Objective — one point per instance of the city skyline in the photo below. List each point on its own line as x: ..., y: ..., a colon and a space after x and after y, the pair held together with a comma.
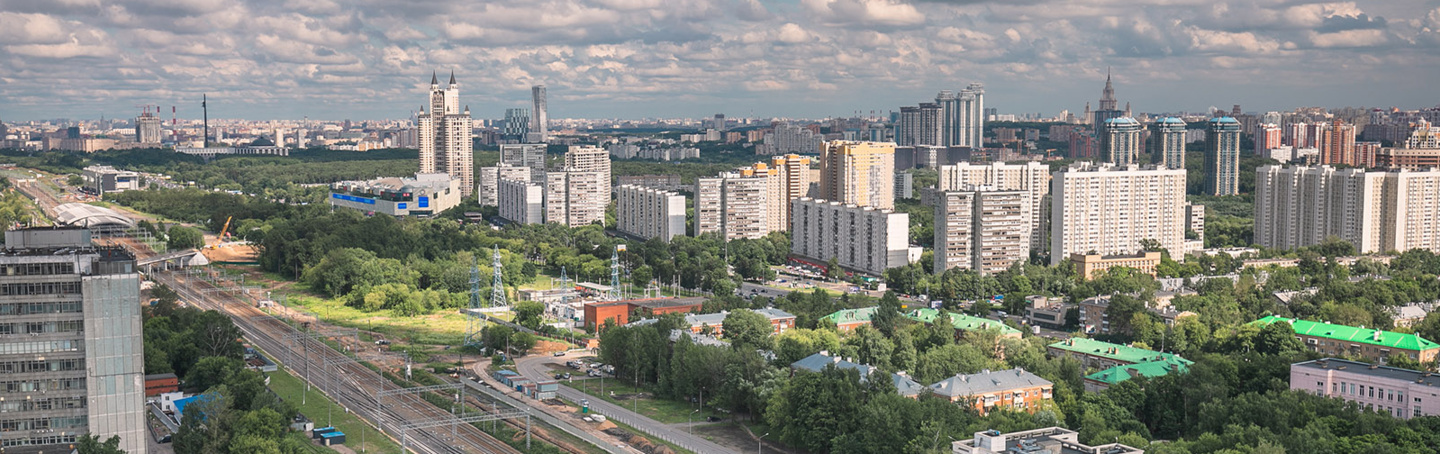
x: 638, y: 59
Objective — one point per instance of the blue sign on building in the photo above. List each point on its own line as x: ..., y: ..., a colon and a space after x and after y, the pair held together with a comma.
x: 401, y: 205
x: 424, y: 202
x: 351, y: 198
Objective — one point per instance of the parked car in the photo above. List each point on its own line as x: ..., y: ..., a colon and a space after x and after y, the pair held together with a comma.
x: 593, y: 373
x: 560, y: 353
x: 382, y: 342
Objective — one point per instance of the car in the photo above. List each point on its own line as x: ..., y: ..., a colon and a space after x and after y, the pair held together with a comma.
x: 382, y: 342
x: 565, y: 376
x: 560, y: 353
x: 592, y: 373
x: 595, y: 365
x: 559, y: 376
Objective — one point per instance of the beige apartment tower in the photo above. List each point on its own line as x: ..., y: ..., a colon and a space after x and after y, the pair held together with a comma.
x: 752, y: 201
x: 981, y: 229
x: 1109, y: 210
x: 858, y: 173
x: 444, y: 136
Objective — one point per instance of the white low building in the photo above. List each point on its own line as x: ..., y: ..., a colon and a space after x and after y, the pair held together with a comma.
x: 427, y: 194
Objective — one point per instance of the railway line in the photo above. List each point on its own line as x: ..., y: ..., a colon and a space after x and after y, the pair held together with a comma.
x: 406, y: 416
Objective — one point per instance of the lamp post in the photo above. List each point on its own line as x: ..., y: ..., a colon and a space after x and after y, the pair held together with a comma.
x: 692, y: 421
x: 759, y: 444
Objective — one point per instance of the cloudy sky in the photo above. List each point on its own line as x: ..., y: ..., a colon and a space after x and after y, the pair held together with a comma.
x: 367, y: 59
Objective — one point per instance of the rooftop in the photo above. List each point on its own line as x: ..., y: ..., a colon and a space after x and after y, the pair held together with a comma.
x: 1151, y: 369
x: 1372, y: 370
x: 656, y: 303
x: 961, y: 321
x: 1050, y: 440
x: 1352, y: 334
x: 1108, y: 350
x: 1225, y: 120
x: 904, y: 385
x: 987, y: 382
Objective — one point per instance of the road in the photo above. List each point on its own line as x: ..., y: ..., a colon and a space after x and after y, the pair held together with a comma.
x: 535, y: 366
x: 747, y: 288
x: 348, y: 382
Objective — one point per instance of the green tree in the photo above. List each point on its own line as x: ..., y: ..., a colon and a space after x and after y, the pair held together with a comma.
x: 530, y: 314
x: 91, y: 444
x: 796, y: 344
x: 211, y: 371
x: 887, y: 314
x: 181, y: 237
x: 522, y: 342
x: 747, y: 329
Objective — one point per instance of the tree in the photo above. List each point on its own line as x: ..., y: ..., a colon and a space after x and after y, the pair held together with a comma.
x: 91, y: 444
x: 181, y: 237
x: 832, y: 269
x: 887, y: 315
x: 211, y: 371
x: 529, y: 314
x: 522, y: 342
x: 747, y: 329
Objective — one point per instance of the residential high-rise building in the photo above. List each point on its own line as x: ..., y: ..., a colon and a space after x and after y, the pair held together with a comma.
x: 490, y: 181
x: 907, y: 127
x: 72, y: 349
x: 858, y: 173
x: 949, y: 117
x: 531, y: 155
x: 521, y: 201
x: 517, y: 125
x: 970, y: 123
x: 590, y: 159
x: 1167, y: 139
x: 147, y: 128
x: 1032, y: 178
x: 1337, y: 144
x: 576, y: 198
x: 1376, y: 211
x: 445, y: 145
x: 1109, y: 210
x: 539, y: 130
x: 1267, y: 137
x: 981, y: 229
x: 787, y: 138
x: 860, y: 238
x: 735, y: 205
x: 1222, y: 156
x: 1423, y: 136
x: 1120, y: 141
x: 649, y: 212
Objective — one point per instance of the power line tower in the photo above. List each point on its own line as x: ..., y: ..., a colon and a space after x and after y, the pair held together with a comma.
x: 615, y: 273
x: 497, y: 288
x: 473, y: 322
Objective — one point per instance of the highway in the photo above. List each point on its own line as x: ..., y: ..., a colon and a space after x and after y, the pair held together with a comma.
x: 535, y: 366
x: 348, y: 382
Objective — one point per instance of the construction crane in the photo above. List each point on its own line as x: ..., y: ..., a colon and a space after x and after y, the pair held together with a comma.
x: 221, y: 237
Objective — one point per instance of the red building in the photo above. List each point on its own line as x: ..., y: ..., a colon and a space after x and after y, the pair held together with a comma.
x: 158, y: 384
x: 597, y: 313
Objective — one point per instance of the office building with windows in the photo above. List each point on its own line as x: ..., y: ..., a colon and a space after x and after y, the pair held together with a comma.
x: 1402, y: 393
x: 1222, y: 156
x: 1120, y: 141
x: 530, y: 155
x: 71, y: 354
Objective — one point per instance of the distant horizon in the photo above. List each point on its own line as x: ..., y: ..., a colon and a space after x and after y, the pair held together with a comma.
x: 631, y: 59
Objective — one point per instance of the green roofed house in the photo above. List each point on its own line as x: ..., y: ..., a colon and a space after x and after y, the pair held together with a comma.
x: 849, y: 319
x: 1348, y: 341
x: 1104, y: 379
x: 1104, y: 355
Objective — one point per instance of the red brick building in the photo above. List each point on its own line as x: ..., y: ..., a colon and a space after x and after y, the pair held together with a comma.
x: 158, y: 384
x: 597, y: 313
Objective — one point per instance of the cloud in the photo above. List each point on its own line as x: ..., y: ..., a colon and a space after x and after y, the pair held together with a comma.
x: 877, y: 12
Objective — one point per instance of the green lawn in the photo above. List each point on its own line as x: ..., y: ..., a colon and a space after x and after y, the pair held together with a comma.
x: 662, y: 410
x: 290, y: 388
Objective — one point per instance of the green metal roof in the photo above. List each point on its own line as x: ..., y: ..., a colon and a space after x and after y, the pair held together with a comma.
x: 961, y: 321
x: 924, y: 315
x: 1117, y: 352
x: 1352, y: 334
x: 1151, y: 369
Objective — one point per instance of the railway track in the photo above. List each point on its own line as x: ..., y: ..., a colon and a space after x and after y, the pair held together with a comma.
x: 349, y: 382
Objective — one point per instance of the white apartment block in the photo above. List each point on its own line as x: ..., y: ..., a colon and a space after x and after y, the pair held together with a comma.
x: 860, y: 238
x: 734, y: 205
x: 575, y: 199
x: 521, y: 201
x: 530, y: 155
x: 1375, y: 211
x: 1031, y: 177
x: 590, y: 159
x: 981, y: 229
x: 444, y: 135
x: 787, y: 138
x: 649, y: 213
x: 490, y: 181
x: 1108, y: 210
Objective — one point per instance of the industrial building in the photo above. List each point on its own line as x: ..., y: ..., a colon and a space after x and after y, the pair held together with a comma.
x: 106, y: 179
x: 72, y: 350
x: 427, y: 194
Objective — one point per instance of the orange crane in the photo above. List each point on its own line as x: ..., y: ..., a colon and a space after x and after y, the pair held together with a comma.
x: 221, y: 237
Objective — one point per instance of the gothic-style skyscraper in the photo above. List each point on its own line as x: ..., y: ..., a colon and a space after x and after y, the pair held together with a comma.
x: 444, y: 131
x: 1107, y: 96
x: 1109, y: 107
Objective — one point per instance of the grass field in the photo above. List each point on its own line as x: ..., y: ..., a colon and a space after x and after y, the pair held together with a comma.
x: 316, y: 404
x: 663, y: 410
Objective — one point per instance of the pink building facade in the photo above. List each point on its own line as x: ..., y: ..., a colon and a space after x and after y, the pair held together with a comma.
x: 1402, y: 393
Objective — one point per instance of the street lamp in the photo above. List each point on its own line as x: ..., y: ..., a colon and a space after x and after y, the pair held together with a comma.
x: 758, y: 444
x: 692, y: 421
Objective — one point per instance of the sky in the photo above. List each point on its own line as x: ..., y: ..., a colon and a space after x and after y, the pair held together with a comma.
x: 372, y: 59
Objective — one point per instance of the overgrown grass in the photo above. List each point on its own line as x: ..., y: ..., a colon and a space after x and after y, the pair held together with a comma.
x: 316, y: 404
x: 662, y: 410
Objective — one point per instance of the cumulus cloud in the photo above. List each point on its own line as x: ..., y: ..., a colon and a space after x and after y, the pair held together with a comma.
x: 658, y: 57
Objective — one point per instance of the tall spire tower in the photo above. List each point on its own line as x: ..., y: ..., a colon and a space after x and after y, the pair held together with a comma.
x: 1107, y: 96
x: 444, y: 135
